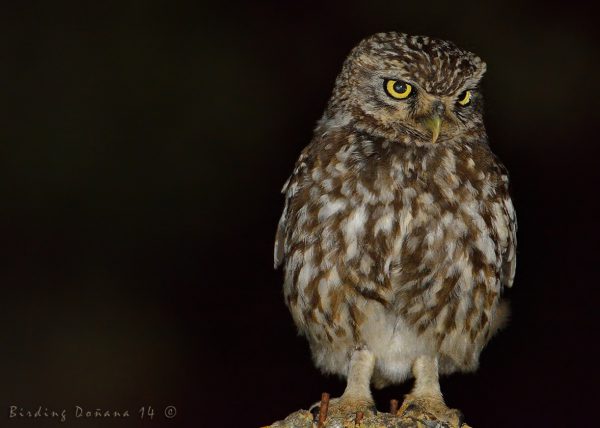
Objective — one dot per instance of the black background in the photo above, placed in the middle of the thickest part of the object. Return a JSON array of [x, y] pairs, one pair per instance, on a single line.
[[143, 148]]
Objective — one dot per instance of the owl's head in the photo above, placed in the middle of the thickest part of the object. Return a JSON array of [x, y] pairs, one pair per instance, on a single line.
[[393, 84]]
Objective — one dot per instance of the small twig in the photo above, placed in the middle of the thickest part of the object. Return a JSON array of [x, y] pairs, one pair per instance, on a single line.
[[359, 417], [323, 409], [393, 406]]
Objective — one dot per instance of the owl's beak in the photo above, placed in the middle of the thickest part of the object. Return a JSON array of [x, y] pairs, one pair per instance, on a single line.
[[433, 123]]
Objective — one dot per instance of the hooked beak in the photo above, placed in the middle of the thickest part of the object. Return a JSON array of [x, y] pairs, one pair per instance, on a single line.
[[433, 123]]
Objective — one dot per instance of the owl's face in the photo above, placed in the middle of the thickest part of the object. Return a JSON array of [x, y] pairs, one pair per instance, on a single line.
[[401, 85]]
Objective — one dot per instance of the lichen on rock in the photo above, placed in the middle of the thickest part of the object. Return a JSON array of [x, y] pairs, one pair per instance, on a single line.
[[306, 419]]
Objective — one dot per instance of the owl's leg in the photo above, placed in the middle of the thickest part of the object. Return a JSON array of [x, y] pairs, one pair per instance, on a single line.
[[427, 382], [357, 395], [425, 399], [358, 383]]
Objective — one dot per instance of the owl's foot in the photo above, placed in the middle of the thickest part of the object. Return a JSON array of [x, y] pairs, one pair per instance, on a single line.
[[425, 402], [343, 408], [430, 408], [357, 395]]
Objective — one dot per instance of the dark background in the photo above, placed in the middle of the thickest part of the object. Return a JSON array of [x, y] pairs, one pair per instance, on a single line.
[[143, 149]]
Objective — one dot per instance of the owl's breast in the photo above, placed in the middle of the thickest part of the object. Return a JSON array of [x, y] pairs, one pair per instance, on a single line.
[[413, 234]]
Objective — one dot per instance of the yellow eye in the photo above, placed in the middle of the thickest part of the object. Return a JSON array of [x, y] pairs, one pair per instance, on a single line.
[[465, 98], [397, 89]]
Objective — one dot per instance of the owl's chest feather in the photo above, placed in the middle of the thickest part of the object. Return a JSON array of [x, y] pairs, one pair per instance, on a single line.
[[413, 231], [362, 202]]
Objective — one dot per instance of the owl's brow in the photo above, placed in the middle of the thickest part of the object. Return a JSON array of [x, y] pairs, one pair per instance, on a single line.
[[471, 83], [467, 87]]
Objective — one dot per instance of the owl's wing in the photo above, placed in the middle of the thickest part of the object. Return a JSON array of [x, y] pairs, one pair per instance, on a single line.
[[280, 235], [509, 256], [290, 188]]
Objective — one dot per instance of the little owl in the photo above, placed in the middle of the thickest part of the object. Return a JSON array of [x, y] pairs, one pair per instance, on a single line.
[[398, 231]]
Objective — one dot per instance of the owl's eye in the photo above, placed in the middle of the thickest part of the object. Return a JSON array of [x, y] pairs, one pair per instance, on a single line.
[[397, 89], [464, 98]]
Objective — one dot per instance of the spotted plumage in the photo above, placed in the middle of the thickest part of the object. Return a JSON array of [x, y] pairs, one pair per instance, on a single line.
[[398, 232]]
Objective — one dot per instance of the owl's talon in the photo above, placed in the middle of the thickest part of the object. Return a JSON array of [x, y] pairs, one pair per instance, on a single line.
[[344, 407], [315, 409], [410, 408], [425, 408]]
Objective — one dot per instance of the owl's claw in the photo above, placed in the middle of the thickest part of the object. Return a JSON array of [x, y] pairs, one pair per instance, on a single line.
[[357, 395], [343, 407], [315, 409], [432, 409]]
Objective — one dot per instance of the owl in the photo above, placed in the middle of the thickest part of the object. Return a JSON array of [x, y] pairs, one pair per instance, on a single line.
[[398, 233]]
